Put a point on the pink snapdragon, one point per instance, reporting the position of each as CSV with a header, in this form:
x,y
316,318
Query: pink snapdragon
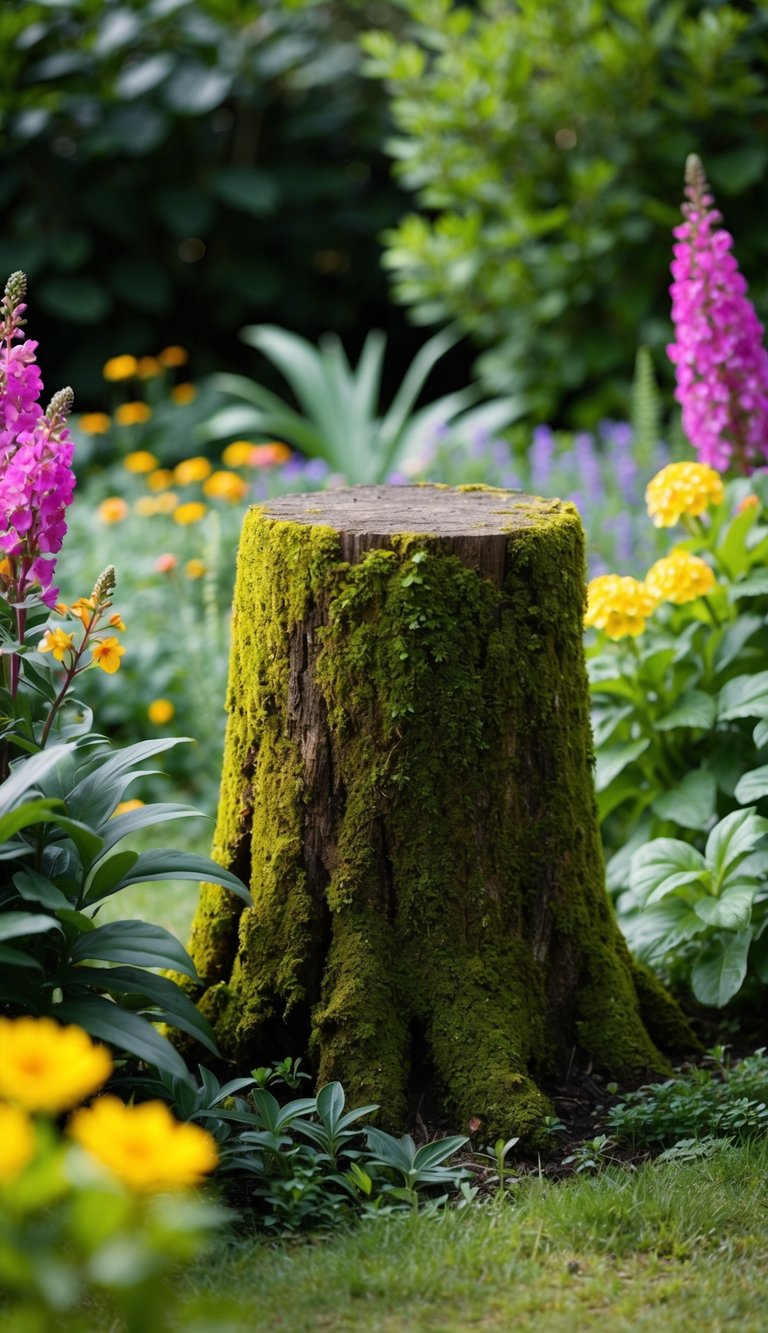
x,y
720,361
36,478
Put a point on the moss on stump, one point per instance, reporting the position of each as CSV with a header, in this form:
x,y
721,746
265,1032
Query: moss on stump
x,y
407,788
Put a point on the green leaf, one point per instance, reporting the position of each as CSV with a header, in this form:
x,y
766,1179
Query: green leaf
x,y
88,843
695,709
760,734
664,861
734,637
605,721
178,1009
752,785
15,958
165,863
251,189
31,812
109,876
135,942
731,839
744,696
122,1030
36,888
658,930
720,969
755,585
732,911
434,1154
615,758
91,799
27,775
16,925
116,827
692,804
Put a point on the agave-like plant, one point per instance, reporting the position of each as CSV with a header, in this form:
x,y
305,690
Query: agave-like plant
x,y
338,417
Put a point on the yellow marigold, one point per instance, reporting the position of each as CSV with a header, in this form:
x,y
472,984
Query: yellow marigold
x,y
94,423
146,506
680,577
225,486
682,488
160,711
58,642
125,807
269,455
183,394
160,479
238,454
46,1067
112,510
190,513
120,368
133,414
148,367
106,654
195,569
17,1141
618,605
191,469
173,356
141,460
166,503
143,1145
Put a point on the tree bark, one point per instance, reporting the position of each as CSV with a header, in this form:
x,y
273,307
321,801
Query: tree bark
x,y
407,788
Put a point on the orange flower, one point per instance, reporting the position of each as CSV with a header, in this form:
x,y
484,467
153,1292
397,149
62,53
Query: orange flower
x,y
183,394
190,513
58,642
225,486
173,356
133,414
195,569
94,423
141,460
191,469
106,654
120,368
112,510
160,711
83,609
160,479
269,455
116,621
148,367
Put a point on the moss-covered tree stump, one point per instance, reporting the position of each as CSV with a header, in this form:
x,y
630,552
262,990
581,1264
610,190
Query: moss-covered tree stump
x,y
407,788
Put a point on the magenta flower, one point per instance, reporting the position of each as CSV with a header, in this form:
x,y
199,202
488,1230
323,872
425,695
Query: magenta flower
x,y
720,361
36,478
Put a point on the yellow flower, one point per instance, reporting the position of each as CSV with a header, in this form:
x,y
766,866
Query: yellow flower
x,y
160,711
106,654
682,488
94,423
183,394
190,513
238,454
146,507
112,510
143,1145
173,356
133,414
120,368
160,479
17,1141
148,367
225,486
749,502
141,460
125,807
58,642
194,569
166,503
116,621
618,606
83,609
45,1067
680,578
191,469
269,455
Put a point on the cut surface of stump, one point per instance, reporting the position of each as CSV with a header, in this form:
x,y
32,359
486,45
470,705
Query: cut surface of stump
x,y
407,788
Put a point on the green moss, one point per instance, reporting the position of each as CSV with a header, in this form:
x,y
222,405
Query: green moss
x,y
460,933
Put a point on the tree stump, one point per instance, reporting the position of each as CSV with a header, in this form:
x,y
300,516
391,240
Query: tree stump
x,y
407,788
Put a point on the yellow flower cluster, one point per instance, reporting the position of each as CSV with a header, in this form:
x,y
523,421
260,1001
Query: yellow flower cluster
x,y
143,1145
618,605
680,577
46,1067
17,1141
682,489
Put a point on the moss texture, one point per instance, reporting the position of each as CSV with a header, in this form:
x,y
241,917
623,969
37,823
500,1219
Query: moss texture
x,y
454,917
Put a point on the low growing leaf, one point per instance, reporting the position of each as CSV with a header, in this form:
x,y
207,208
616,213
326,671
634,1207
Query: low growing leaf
x,y
719,971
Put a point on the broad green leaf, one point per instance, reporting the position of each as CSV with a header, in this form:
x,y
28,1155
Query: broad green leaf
x,y
732,911
720,969
10,957
731,839
734,637
744,696
116,827
16,925
692,804
109,875
752,786
330,1103
31,812
27,775
755,585
659,860
605,722
658,930
89,800
165,863
135,942
695,709
760,734
178,1009
612,761
36,888
434,1154
122,1030
88,843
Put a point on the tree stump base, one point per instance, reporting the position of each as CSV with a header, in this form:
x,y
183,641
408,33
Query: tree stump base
x,y
407,787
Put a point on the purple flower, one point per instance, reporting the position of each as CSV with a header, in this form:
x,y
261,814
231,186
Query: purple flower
x,y
36,478
720,362
542,453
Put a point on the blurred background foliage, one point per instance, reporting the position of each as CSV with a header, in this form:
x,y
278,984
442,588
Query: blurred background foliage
x,y
173,169
544,144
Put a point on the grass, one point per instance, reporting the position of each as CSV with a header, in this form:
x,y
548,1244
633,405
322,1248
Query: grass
x,y
686,1244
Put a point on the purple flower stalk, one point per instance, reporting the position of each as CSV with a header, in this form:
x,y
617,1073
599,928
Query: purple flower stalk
x,y
720,361
36,478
